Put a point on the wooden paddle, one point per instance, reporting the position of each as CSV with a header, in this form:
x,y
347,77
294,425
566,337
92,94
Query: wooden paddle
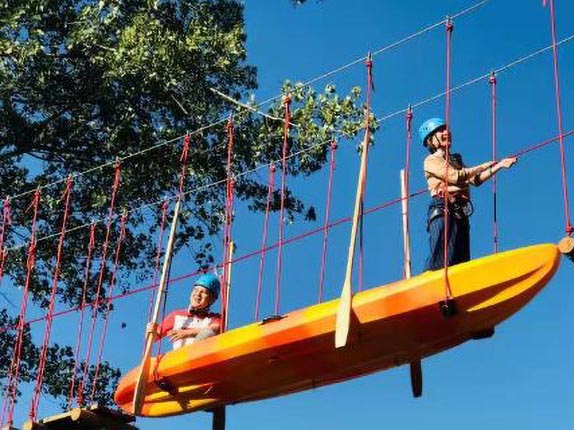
x,y
416,367
141,384
344,310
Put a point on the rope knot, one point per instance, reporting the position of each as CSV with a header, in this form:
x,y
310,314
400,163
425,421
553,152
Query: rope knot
x,y
492,78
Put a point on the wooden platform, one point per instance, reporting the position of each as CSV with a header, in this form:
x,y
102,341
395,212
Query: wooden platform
x,y
94,417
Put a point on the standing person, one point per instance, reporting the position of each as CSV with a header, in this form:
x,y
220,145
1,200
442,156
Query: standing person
x,y
437,138
185,326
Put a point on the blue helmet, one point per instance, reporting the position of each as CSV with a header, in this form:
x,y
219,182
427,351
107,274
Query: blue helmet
x,y
429,126
211,282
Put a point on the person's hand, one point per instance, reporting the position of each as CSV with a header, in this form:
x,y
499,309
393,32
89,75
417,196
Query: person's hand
x,y
178,334
506,163
152,328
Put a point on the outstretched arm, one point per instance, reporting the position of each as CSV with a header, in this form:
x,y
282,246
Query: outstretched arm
x,y
506,163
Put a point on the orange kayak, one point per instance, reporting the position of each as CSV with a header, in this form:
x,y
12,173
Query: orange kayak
x,y
391,325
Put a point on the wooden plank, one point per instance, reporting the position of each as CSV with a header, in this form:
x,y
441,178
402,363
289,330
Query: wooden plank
x,y
93,418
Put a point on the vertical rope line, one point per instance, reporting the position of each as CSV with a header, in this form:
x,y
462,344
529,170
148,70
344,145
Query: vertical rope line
x,y
183,160
91,246
409,121
449,28
182,174
287,121
492,81
558,101
270,188
14,372
96,303
159,249
109,300
333,146
228,222
369,66
6,220
50,313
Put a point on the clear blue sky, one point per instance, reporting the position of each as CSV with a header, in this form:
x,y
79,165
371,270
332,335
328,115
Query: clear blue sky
x,y
521,378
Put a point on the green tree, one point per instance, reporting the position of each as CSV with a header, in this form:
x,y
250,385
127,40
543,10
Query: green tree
x,y
84,82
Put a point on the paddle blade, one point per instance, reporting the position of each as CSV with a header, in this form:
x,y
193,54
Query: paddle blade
x,y
343,317
141,383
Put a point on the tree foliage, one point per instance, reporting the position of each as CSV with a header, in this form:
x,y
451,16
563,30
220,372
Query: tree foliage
x,y
84,82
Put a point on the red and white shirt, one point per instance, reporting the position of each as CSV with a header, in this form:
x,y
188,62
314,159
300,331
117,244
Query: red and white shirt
x,y
187,318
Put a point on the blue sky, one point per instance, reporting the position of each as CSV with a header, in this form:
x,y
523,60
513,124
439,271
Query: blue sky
x,y
521,377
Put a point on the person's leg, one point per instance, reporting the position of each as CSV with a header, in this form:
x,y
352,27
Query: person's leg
x,y
435,259
461,241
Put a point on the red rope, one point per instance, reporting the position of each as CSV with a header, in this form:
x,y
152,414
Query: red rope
x,y
14,372
6,220
558,99
409,124
159,249
492,81
121,237
91,246
333,146
369,66
270,188
409,121
183,159
96,303
50,314
449,29
183,172
228,223
287,121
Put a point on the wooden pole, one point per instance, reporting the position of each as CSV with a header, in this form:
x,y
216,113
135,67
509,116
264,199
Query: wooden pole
x,y
141,384
344,310
228,283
